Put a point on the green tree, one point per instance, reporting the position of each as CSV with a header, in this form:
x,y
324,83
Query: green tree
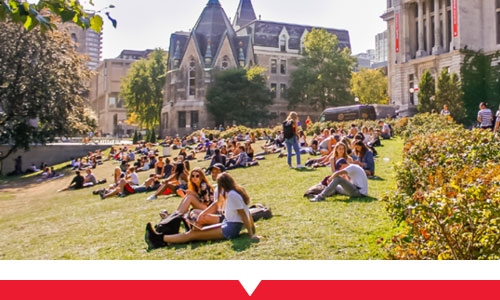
x,y
480,82
427,93
370,86
142,88
323,75
241,96
41,88
449,93
135,139
152,138
41,14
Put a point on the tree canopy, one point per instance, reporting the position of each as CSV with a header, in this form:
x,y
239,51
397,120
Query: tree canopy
x,y
426,95
370,86
143,88
41,87
323,75
449,93
39,14
241,96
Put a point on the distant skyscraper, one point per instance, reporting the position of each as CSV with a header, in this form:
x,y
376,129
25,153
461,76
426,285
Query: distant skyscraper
x,y
89,42
381,45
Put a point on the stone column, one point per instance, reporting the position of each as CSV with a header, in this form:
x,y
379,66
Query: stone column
x,y
446,45
421,37
437,49
429,26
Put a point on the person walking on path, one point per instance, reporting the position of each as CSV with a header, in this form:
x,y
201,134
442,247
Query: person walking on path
x,y
291,138
485,117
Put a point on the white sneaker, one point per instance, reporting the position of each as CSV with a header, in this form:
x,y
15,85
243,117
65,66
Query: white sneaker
x,y
300,167
151,198
291,167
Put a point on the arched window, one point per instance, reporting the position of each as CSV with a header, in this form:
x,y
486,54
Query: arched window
x,y
225,63
283,43
192,77
73,37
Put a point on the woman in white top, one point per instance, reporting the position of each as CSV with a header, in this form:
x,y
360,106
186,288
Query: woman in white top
x,y
237,216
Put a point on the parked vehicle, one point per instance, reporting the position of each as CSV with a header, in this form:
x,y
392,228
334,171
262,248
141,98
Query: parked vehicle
x,y
348,113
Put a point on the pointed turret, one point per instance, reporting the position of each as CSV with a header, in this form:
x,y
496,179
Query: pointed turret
x,y
210,29
244,15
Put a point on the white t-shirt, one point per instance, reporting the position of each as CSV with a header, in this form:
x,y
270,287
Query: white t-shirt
x,y
358,178
234,203
134,178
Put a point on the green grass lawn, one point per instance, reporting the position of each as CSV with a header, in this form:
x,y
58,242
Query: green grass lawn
x,y
38,223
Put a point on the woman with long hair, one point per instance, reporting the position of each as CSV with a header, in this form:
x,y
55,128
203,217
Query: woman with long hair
x,y
340,151
177,182
364,158
291,138
200,194
237,216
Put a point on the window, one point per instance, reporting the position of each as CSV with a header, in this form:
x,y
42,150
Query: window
x,y
182,119
120,103
274,66
194,119
73,37
112,101
283,91
273,89
283,43
225,63
283,66
192,79
165,120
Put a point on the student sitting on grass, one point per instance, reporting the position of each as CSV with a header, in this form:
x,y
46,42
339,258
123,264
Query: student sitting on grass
x,y
177,182
356,186
237,216
240,161
200,193
76,183
364,158
125,186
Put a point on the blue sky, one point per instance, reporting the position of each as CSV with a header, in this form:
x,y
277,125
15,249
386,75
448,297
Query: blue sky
x,y
144,24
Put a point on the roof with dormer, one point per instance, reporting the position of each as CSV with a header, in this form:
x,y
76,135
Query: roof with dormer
x,y
267,33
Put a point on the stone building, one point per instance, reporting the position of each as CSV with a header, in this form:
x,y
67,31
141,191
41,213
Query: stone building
x,y
428,35
105,92
215,44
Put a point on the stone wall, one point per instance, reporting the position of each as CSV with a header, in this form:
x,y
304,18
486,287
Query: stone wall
x,y
51,154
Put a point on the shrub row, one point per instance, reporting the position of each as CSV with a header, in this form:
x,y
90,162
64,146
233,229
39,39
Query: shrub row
x,y
448,194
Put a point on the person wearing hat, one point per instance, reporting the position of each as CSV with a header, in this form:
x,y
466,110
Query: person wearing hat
x,y
485,117
356,186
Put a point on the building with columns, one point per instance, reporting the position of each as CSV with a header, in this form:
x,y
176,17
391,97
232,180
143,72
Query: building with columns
x,y
428,35
216,44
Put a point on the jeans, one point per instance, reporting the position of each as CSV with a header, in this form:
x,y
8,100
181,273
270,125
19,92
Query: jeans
x,y
293,143
346,188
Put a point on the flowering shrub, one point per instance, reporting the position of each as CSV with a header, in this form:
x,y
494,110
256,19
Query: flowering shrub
x,y
226,134
448,195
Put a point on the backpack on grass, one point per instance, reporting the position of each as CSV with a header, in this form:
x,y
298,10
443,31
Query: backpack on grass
x,y
171,224
259,211
288,131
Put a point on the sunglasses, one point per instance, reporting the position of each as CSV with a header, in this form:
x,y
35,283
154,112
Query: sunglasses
x,y
196,176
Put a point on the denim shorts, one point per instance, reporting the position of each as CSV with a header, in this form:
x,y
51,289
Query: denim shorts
x,y
231,230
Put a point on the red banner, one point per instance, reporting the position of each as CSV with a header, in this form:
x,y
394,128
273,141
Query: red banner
x,y
455,18
397,32
221,290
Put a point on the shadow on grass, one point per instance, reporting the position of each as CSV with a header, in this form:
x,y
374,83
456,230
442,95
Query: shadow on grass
x,y
305,170
376,178
358,200
239,245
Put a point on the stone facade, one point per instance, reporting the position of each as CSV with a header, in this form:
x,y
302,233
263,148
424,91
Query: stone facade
x,y
104,95
215,44
425,40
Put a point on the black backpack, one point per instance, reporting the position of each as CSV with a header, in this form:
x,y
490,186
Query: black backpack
x,y
171,224
288,132
259,211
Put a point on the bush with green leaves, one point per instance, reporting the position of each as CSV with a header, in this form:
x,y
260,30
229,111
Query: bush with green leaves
x,y
448,196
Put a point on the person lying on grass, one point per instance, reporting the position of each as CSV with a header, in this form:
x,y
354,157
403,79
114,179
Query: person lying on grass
x,y
356,186
237,216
